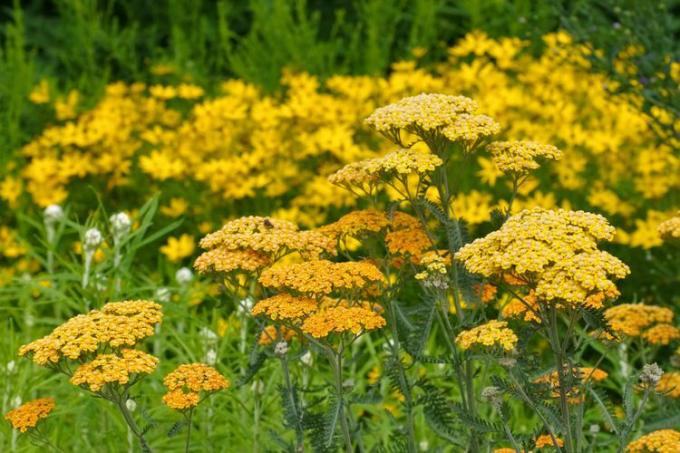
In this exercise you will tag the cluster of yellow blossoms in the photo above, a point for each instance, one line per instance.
(554, 252)
(670, 229)
(661, 441)
(582, 374)
(650, 322)
(116, 325)
(29, 414)
(491, 334)
(114, 369)
(519, 157)
(669, 384)
(188, 382)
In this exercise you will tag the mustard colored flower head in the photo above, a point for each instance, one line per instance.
(365, 175)
(116, 325)
(187, 382)
(407, 238)
(470, 130)
(491, 334)
(661, 441)
(670, 229)
(356, 223)
(341, 319)
(661, 334)
(270, 237)
(421, 113)
(120, 369)
(520, 157)
(527, 308)
(545, 440)
(270, 334)
(555, 252)
(285, 307)
(29, 414)
(321, 277)
(178, 248)
(669, 384)
(225, 261)
(581, 375)
(632, 319)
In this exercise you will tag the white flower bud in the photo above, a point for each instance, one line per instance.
(93, 238)
(16, 401)
(120, 224)
(211, 357)
(131, 405)
(651, 374)
(307, 358)
(207, 335)
(424, 445)
(184, 276)
(53, 214)
(163, 294)
(281, 348)
(257, 387)
(594, 429)
(245, 306)
(11, 366)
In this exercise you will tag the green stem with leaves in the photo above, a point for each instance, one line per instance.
(335, 360)
(120, 402)
(290, 391)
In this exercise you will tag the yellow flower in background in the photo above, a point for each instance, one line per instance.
(41, 93)
(29, 414)
(175, 208)
(10, 190)
(65, 109)
(178, 248)
(489, 171)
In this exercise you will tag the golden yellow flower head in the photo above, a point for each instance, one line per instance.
(669, 384)
(406, 237)
(270, 334)
(356, 223)
(520, 157)
(342, 319)
(117, 324)
(525, 309)
(366, 174)
(661, 441)
(285, 307)
(114, 368)
(29, 414)
(186, 383)
(271, 237)
(633, 319)
(470, 130)
(424, 112)
(670, 229)
(322, 277)
(581, 374)
(661, 334)
(225, 261)
(545, 440)
(553, 251)
(491, 334)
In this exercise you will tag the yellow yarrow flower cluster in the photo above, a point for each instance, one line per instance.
(634, 319)
(407, 238)
(323, 277)
(661, 334)
(285, 307)
(520, 157)
(670, 229)
(555, 251)
(661, 441)
(188, 382)
(470, 130)
(582, 374)
(270, 334)
(117, 324)
(491, 334)
(118, 368)
(669, 384)
(356, 224)
(29, 414)
(545, 440)
(341, 319)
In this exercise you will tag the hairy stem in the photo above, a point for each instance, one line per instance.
(120, 402)
(299, 433)
(335, 359)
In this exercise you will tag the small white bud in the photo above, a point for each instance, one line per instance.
(211, 357)
(163, 294)
(424, 445)
(16, 401)
(184, 276)
(120, 224)
(207, 335)
(93, 238)
(53, 214)
(594, 429)
(651, 374)
(258, 387)
(131, 405)
(307, 358)
(245, 306)
(281, 348)
(11, 366)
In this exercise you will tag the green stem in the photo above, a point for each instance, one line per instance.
(120, 402)
(562, 380)
(403, 378)
(335, 359)
(299, 433)
(187, 443)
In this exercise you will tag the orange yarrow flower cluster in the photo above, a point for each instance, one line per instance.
(187, 382)
(29, 414)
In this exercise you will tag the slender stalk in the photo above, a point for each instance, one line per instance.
(558, 350)
(187, 443)
(120, 402)
(299, 433)
(403, 378)
(335, 359)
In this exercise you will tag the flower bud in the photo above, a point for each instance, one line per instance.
(281, 348)
(53, 214)
(307, 358)
(163, 294)
(650, 375)
(184, 276)
(131, 405)
(120, 224)
(93, 238)
(211, 357)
